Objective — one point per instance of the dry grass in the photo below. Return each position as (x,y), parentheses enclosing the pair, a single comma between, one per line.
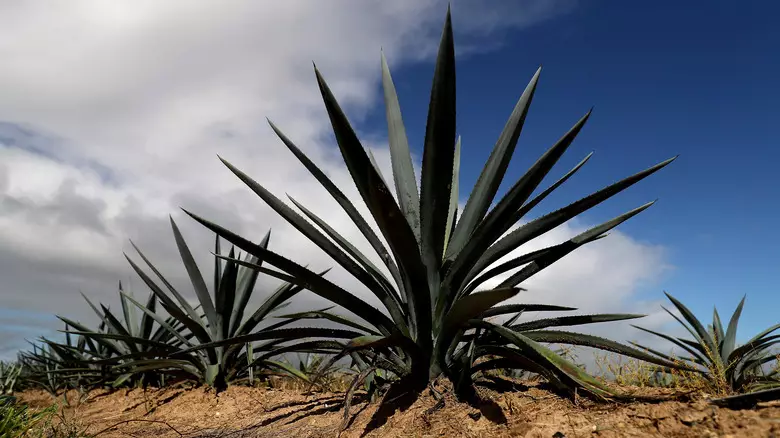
(280,406)
(625,371)
(528,410)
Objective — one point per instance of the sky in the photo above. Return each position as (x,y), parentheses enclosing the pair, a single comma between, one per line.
(112,114)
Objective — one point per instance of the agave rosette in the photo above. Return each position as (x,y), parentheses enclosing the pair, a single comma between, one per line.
(209,346)
(433,318)
(714,352)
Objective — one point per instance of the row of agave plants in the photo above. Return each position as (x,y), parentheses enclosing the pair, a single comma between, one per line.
(436,320)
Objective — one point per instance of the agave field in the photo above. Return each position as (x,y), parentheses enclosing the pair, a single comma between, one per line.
(440,337)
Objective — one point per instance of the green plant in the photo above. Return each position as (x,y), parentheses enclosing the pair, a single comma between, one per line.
(9,373)
(115,354)
(435,321)
(208,347)
(18,420)
(55,367)
(714,352)
(311,368)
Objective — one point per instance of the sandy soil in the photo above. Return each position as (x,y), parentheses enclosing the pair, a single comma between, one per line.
(243,412)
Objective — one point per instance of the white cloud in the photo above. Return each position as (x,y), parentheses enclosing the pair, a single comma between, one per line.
(111,115)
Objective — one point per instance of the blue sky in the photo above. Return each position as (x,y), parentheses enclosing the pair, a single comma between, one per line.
(696,78)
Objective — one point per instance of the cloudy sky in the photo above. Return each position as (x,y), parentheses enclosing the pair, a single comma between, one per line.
(112,114)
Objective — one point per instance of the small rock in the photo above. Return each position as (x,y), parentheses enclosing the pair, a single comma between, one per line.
(558,434)
(693,417)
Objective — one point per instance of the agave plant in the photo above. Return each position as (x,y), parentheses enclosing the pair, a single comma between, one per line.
(55,367)
(433,314)
(210,347)
(728,367)
(127,339)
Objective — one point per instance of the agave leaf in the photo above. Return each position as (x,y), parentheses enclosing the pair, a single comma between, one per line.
(311,280)
(283,293)
(366,342)
(512,320)
(303,347)
(677,342)
(348,248)
(730,340)
(360,378)
(287,368)
(383,289)
(155,367)
(372,159)
(155,364)
(193,325)
(225,295)
(321,314)
(275,302)
(496,221)
(116,326)
(585,340)
(438,157)
(147,322)
(688,360)
(94,308)
(550,360)
(573,320)
(346,205)
(123,338)
(145,354)
(701,348)
(515,308)
(745,349)
(453,209)
(201,291)
(763,334)
(513,359)
(746,401)
(473,305)
(507,266)
(246,285)
(492,174)
(703,336)
(182,302)
(717,328)
(217,266)
(160,321)
(556,254)
(387,214)
(760,361)
(400,156)
(550,221)
(463,310)
(287,333)
(129,314)
(113,347)
(528,206)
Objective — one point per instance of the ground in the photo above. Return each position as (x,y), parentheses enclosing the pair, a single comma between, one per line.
(242,412)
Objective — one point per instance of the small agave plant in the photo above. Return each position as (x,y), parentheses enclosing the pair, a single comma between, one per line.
(729,368)
(433,319)
(114,347)
(54,366)
(209,347)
